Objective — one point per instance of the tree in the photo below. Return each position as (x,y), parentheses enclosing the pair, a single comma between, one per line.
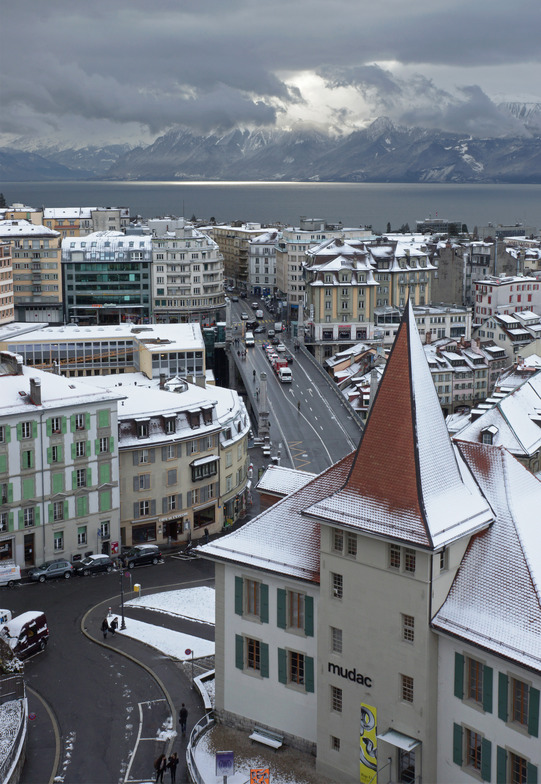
(2,200)
(388,227)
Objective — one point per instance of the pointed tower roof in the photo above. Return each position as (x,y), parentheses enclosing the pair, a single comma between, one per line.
(407,481)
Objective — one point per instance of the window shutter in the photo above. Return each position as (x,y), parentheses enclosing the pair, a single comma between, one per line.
(264,615)
(457,744)
(264,654)
(88,450)
(89,477)
(309,673)
(111,444)
(103,418)
(105,501)
(172,476)
(34,429)
(179,501)
(10,493)
(58,483)
(37,515)
(21,518)
(10,521)
(179,450)
(531,775)
(96,446)
(32,459)
(309,616)
(19,431)
(486,759)
(239,652)
(164,453)
(282,665)
(49,427)
(136,509)
(72,423)
(49,454)
(60,453)
(189,499)
(105,473)
(503,695)
(64,424)
(73,451)
(8,434)
(87,421)
(164,505)
(135,456)
(533,713)
(66,509)
(4,462)
(487,688)
(239,584)
(152,455)
(281,597)
(459,676)
(135,483)
(153,507)
(50,513)
(501,765)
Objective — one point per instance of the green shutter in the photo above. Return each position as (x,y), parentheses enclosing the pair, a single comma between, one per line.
(531,775)
(10,521)
(3,464)
(105,501)
(501,765)
(487,688)
(239,652)
(49,427)
(29,490)
(60,453)
(103,418)
(88,449)
(457,744)
(37,516)
(486,759)
(51,513)
(32,459)
(34,429)
(459,676)
(282,665)
(58,483)
(19,431)
(64,424)
(8,434)
(281,608)
(89,477)
(533,713)
(264,614)
(87,421)
(82,506)
(239,584)
(97,446)
(104,470)
(74,480)
(309,673)
(66,510)
(503,695)
(72,423)
(73,452)
(49,454)
(309,616)
(21,518)
(111,444)
(264,659)
(10,493)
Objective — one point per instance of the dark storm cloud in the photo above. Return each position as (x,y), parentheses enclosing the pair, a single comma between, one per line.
(212,64)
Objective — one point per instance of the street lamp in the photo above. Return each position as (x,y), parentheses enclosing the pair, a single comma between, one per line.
(123,624)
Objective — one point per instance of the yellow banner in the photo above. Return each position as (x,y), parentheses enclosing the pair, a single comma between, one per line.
(368,744)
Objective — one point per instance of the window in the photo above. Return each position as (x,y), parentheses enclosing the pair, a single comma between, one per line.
(295,603)
(28,517)
(336,640)
(170,452)
(407,688)
(335,743)
(144,456)
(336,699)
(56,425)
(337,540)
(253,655)
(3,434)
(337,585)
(474,681)
(172,476)
(59,540)
(351,545)
(27,459)
(80,448)
(171,503)
(142,430)
(3,522)
(443,561)
(56,452)
(474,747)
(408,628)
(81,535)
(409,560)
(519,701)
(143,481)
(296,668)
(228,459)
(144,508)
(58,510)
(81,477)
(394,556)
(26,430)
(170,425)
(518,772)
(252,597)
(80,422)
(104,445)
(105,530)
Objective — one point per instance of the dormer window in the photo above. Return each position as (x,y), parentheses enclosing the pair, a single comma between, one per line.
(169,425)
(142,429)
(487,435)
(193,419)
(207,416)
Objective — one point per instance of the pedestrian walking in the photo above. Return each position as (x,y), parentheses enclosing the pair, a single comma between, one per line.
(206,535)
(104,628)
(114,626)
(172,765)
(183,718)
(160,766)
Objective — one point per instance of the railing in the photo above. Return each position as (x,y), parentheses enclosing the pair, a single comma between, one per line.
(203,725)
(13,689)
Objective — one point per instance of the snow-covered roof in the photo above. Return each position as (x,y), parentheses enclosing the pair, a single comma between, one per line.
(22,228)
(406,481)
(280,480)
(67,213)
(495,600)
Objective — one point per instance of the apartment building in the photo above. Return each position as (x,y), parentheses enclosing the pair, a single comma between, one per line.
(505,295)
(7,308)
(262,264)
(234,243)
(58,466)
(37,278)
(187,274)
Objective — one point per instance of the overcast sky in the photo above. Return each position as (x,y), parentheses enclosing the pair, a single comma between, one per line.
(128,70)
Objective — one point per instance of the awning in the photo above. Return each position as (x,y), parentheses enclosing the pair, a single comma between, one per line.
(399,740)
(205,460)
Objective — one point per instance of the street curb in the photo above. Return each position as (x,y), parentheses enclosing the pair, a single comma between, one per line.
(56,732)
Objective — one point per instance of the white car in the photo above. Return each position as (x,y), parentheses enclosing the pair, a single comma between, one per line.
(280,347)
(244,316)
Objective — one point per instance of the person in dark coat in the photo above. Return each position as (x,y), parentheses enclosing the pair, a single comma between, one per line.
(104,628)
(160,766)
(172,765)
(183,718)
(114,626)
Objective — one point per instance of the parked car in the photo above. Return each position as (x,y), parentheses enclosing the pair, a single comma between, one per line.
(93,563)
(142,554)
(10,573)
(50,569)
(27,633)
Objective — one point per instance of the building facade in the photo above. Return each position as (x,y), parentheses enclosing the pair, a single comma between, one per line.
(234,243)
(262,264)
(58,466)
(7,309)
(505,295)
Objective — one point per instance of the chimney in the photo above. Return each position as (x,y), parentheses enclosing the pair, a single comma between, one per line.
(162,380)
(428,337)
(35,391)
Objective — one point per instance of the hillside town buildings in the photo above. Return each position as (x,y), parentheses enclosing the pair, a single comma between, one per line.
(262,264)
(504,295)
(234,243)
(416,530)
(7,308)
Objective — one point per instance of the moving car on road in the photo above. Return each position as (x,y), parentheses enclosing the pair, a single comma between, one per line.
(93,563)
(50,569)
(141,554)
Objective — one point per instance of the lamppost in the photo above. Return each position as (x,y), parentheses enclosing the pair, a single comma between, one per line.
(123,624)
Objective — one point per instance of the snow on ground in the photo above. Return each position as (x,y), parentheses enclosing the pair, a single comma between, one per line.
(170,643)
(11,715)
(197,604)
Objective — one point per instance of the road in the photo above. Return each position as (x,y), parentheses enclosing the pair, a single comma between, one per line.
(311,437)
(94,693)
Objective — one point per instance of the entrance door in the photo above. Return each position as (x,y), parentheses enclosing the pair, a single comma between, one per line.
(29,557)
(406,767)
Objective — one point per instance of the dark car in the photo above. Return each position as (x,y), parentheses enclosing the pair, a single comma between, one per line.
(50,569)
(93,563)
(275,341)
(289,358)
(260,330)
(141,554)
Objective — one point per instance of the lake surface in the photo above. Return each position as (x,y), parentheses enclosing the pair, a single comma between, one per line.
(355,204)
